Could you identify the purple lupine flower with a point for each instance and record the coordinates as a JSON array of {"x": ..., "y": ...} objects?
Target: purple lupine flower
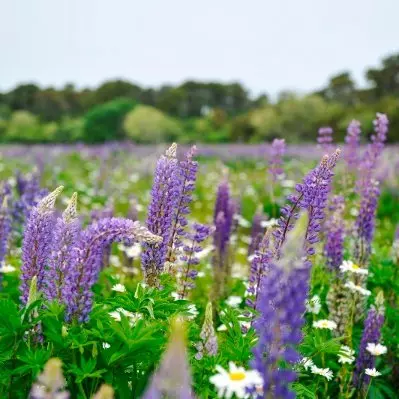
[
  {"x": 260, "y": 264},
  {"x": 187, "y": 175},
  {"x": 365, "y": 221},
  {"x": 277, "y": 152},
  {"x": 374, "y": 150},
  {"x": 164, "y": 194},
  {"x": 312, "y": 195},
  {"x": 132, "y": 214},
  {"x": 325, "y": 138},
  {"x": 223, "y": 219},
  {"x": 335, "y": 234},
  {"x": 371, "y": 334},
  {"x": 352, "y": 140},
  {"x": 281, "y": 304},
  {"x": 37, "y": 243},
  {"x": 257, "y": 232},
  {"x": 190, "y": 260},
  {"x": 87, "y": 257},
  {"x": 172, "y": 379},
  {"x": 66, "y": 236},
  {"x": 5, "y": 230}
]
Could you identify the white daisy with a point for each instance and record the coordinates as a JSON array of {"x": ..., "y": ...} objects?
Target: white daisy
[
  {"x": 372, "y": 372},
  {"x": 119, "y": 288},
  {"x": 327, "y": 324},
  {"x": 235, "y": 381},
  {"x": 345, "y": 355},
  {"x": 313, "y": 305},
  {"x": 357, "y": 288},
  {"x": 376, "y": 349},
  {"x": 349, "y": 266},
  {"x": 233, "y": 301},
  {"x": 326, "y": 373}
]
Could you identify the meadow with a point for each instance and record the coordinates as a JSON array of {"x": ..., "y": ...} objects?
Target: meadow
[{"x": 247, "y": 271}]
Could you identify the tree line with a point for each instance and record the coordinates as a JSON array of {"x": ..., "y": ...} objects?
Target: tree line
[{"x": 196, "y": 111}]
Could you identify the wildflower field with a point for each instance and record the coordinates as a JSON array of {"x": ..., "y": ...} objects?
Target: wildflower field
[{"x": 266, "y": 271}]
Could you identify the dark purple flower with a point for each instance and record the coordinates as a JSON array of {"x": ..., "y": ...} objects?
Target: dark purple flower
[
  {"x": 37, "y": 243},
  {"x": 189, "y": 259},
  {"x": 187, "y": 176},
  {"x": 257, "y": 232},
  {"x": 66, "y": 237},
  {"x": 164, "y": 195},
  {"x": 371, "y": 334},
  {"x": 87, "y": 257},
  {"x": 335, "y": 234},
  {"x": 277, "y": 152},
  {"x": 352, "y": 140},
  {"x": 325, "y": 138},
  {"x": 365, "y": 221}
]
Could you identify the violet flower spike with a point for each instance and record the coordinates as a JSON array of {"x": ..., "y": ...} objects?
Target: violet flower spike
[
  {"x": 164, "y": 194},
  {"x": 87, "y": 259},
  {"x": 188, "y": 169},
  {"x": 66, "y": 236},
  {"x": 277, "y": 152},
  {"x": 5, "y": 230},
  {"x": 352, "y": 141},
  {"x": 325, "y": 138},
  {"x": 37, "y": 243}
]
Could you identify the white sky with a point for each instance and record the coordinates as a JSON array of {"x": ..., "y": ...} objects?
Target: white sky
[{"x": 267, "y": 45}]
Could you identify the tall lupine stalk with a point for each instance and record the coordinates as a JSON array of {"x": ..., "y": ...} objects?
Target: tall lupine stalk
[
  {"x": 352, "y": 141},
  {"x": 87, "y": 258},
  {"x": 277, "y": 152},
  {"x": 164, "y": 195},
  {"x": 371, "y": 334},
  {"x": 66, "y": 236},
  {"x": 5, "y": 230},
  {"x": 257, "y": 232},
  {"x": 335, "y": 234},
  {"x": 187, "y": 175},
  {"x": 223, "y": 219},
  {"x": 188, "y": 272},
  {"x": 37, "y": 243},
  {"x": 325, "y": 138},
  {"x": 312, "y": 195},
  {"x": 365, "y": 221},
  {"x": 209, "y": 344},
  {"x": 260, "y": 265},
  {"x": 281, "y": 304},
  {"x": 172, "y": 379}
]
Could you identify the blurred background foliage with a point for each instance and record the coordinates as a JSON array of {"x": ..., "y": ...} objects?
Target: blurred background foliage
[{"x": 196, "y": 111}]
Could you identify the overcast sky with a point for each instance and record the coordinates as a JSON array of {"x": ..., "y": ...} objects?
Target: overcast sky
[{"x": 267, "y": 45}]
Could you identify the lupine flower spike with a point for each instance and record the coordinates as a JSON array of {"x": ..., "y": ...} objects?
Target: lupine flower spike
[
  {"x": 209, "y": 344},
  {"x": 66, "y": 235},
  {"x": 37, "y": 243},
  {"x": 164, "y": 194}
]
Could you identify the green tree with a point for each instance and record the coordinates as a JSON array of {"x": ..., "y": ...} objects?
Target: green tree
[
  {"x": 105, "y": 122},
  {"x": 146, "y": 124},
  {"x": 23, "y": 126}
]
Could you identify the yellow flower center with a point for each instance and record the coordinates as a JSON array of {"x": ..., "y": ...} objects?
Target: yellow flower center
[
  {"x": 237, "y": 376},
  {"x": 355, "y": 266}
]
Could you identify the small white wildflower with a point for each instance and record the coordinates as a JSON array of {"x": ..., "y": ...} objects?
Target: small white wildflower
[
  {"x": 349, "y": 266},
  {"x": 357, "y": 288},
  {"x": 106, "y": 345},
  {"x": 345, "y": 355},
  {"x": 376, "y": 349},
  {"x": 307, "y": 363},
  {"x": 192, "y": 309},
  {"x": 7, "y": 269},
  {"x": 326, "y": 373},
  {"x": 313, "y": 305},
  {"x": 268, "y": 223},
  {"x": 372, "y": 372},
  {"x": 115, "y": 261},
  {"x": 233, "y": 301},
  {"x": 327, "y": 324},
  {"x": 133, "y": 251},
  {"x": 119, "y": 288}
]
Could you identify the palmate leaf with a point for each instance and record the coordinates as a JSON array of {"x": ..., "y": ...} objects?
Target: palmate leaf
[
  {"x": 10, "y": 319},
  {"x": 304, "y": 392},
  {"x": 33, "y": 361}
]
